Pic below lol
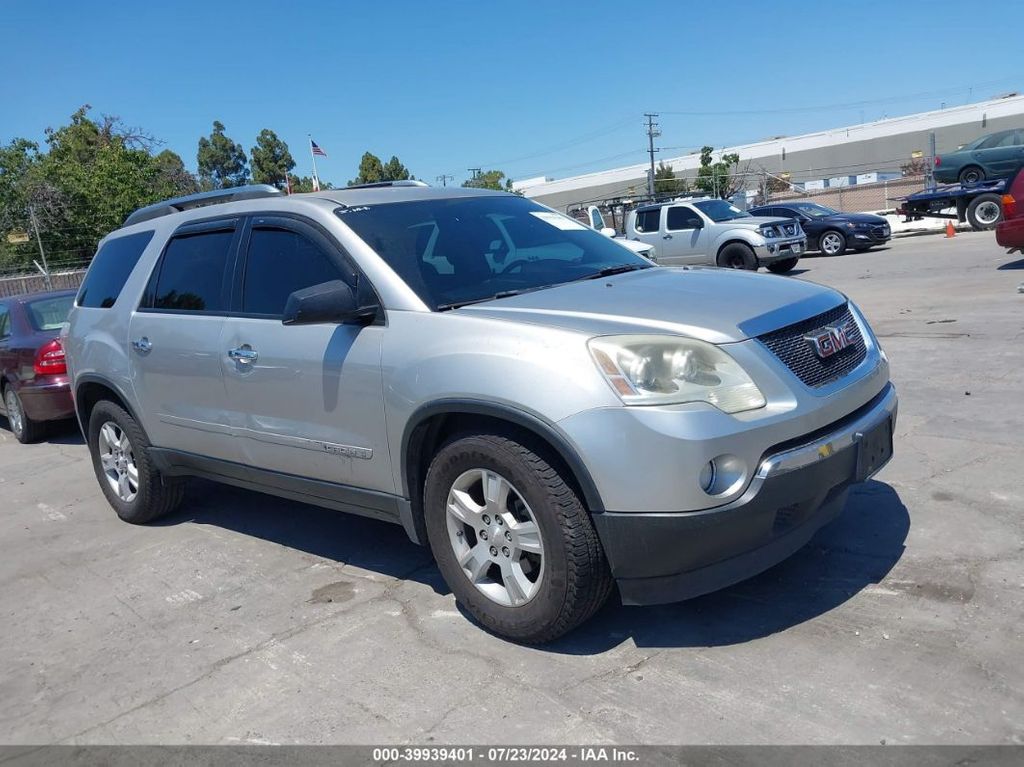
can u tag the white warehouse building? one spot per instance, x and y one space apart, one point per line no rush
810 160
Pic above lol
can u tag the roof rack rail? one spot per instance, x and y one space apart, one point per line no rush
190 201
412 182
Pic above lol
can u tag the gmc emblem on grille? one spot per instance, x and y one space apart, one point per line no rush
829 340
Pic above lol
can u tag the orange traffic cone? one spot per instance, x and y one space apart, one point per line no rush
950 231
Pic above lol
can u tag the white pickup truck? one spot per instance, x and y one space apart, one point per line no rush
592 217
715 232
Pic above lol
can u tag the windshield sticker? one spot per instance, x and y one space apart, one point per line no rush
557 220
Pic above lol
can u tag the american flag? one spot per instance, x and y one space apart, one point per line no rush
316 149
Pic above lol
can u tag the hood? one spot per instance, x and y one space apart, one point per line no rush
714 305
858 218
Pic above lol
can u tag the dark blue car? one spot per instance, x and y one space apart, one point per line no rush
831 231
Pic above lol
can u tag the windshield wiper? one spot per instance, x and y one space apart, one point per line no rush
608 271
499 294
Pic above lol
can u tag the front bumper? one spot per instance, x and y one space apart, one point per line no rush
779 249
667 557
869 237
47 398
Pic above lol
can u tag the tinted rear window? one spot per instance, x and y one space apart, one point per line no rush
49 313
110 269
192 273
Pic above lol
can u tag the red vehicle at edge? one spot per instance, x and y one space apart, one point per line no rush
34 386
1010 231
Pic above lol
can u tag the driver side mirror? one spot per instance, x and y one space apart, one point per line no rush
695 223
329 302
608 231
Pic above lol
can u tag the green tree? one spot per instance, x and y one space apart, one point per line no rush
271 160
489 179
172 178
221 161
371 170
718 178
666 183
93 174
395 171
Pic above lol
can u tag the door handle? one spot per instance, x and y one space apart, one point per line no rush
244 354
142 345
666 237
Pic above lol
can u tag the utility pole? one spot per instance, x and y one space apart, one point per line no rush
42 253
930 168
444 178
474 171
652 133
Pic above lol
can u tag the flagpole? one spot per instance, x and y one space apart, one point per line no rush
316 178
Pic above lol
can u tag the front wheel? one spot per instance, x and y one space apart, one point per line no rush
127 476
737 256
833 243
512 538
783 266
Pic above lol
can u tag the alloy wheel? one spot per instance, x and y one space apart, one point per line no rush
118 461
495 537
14 415
830 244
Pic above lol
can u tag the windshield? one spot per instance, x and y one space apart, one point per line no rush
813 210
461 250
720 210
49 313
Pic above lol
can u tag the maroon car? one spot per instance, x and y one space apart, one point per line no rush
1010 231
34 385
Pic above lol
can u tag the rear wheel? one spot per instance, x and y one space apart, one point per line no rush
783 266
833 243
512 538
972 174
736 255
985 211
25 430
127 476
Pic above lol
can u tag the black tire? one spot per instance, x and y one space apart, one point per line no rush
24 429
971 174
832 243
156 495
783 266
575 578
985 211
736 255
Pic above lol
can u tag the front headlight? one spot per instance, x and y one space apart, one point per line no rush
768 230
666 370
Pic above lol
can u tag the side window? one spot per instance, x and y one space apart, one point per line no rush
681 217
596 219
192 273
997 140
110 269
5 322
279 262
648 220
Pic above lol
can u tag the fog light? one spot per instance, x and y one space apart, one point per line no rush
723 475
707 476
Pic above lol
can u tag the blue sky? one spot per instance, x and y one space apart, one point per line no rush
531 88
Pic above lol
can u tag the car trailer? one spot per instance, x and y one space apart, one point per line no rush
980 204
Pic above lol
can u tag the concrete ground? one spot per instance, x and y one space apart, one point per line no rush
247 619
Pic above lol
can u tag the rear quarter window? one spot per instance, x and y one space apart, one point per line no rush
110 269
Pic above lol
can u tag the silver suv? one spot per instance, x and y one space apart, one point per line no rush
552 414
715 232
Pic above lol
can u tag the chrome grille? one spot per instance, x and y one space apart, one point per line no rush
797 353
